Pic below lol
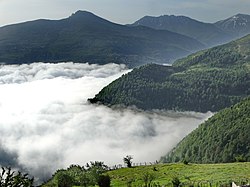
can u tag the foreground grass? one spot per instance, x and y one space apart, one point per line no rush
191 174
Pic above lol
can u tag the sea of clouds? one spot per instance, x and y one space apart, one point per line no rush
46 122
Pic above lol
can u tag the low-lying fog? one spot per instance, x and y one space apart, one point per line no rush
47 124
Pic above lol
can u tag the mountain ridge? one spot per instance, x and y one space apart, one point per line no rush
211 34
85 37
208 80
206 33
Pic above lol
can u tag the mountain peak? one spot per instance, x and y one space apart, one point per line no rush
165 22
238 24
241 15
165 17
82 13
82 16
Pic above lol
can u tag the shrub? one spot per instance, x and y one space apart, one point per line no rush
104 181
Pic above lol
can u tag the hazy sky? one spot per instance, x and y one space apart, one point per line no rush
120 11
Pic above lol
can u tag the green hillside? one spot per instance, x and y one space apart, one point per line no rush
223 138
209 80
85 37
164 174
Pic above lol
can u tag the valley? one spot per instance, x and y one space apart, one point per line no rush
163 101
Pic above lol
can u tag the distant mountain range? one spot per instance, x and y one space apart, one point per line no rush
222 138
85 37
207 33
208 80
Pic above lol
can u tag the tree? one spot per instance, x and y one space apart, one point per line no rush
11 178
128 160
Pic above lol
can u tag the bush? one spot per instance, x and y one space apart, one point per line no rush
176 181
65 180
240 158
104 181
184 161
148 178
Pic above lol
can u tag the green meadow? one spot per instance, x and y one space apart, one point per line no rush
187 174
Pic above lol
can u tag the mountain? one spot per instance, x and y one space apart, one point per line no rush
206 33
85 37
209 80
238 25
222 138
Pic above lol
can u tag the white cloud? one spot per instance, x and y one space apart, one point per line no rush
46 122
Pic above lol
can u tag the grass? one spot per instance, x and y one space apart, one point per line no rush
216 174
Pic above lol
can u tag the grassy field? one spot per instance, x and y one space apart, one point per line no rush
188 175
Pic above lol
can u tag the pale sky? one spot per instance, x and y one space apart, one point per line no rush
120 11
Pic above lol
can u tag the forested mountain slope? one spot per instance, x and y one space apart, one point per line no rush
85 37
222 138
209 80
